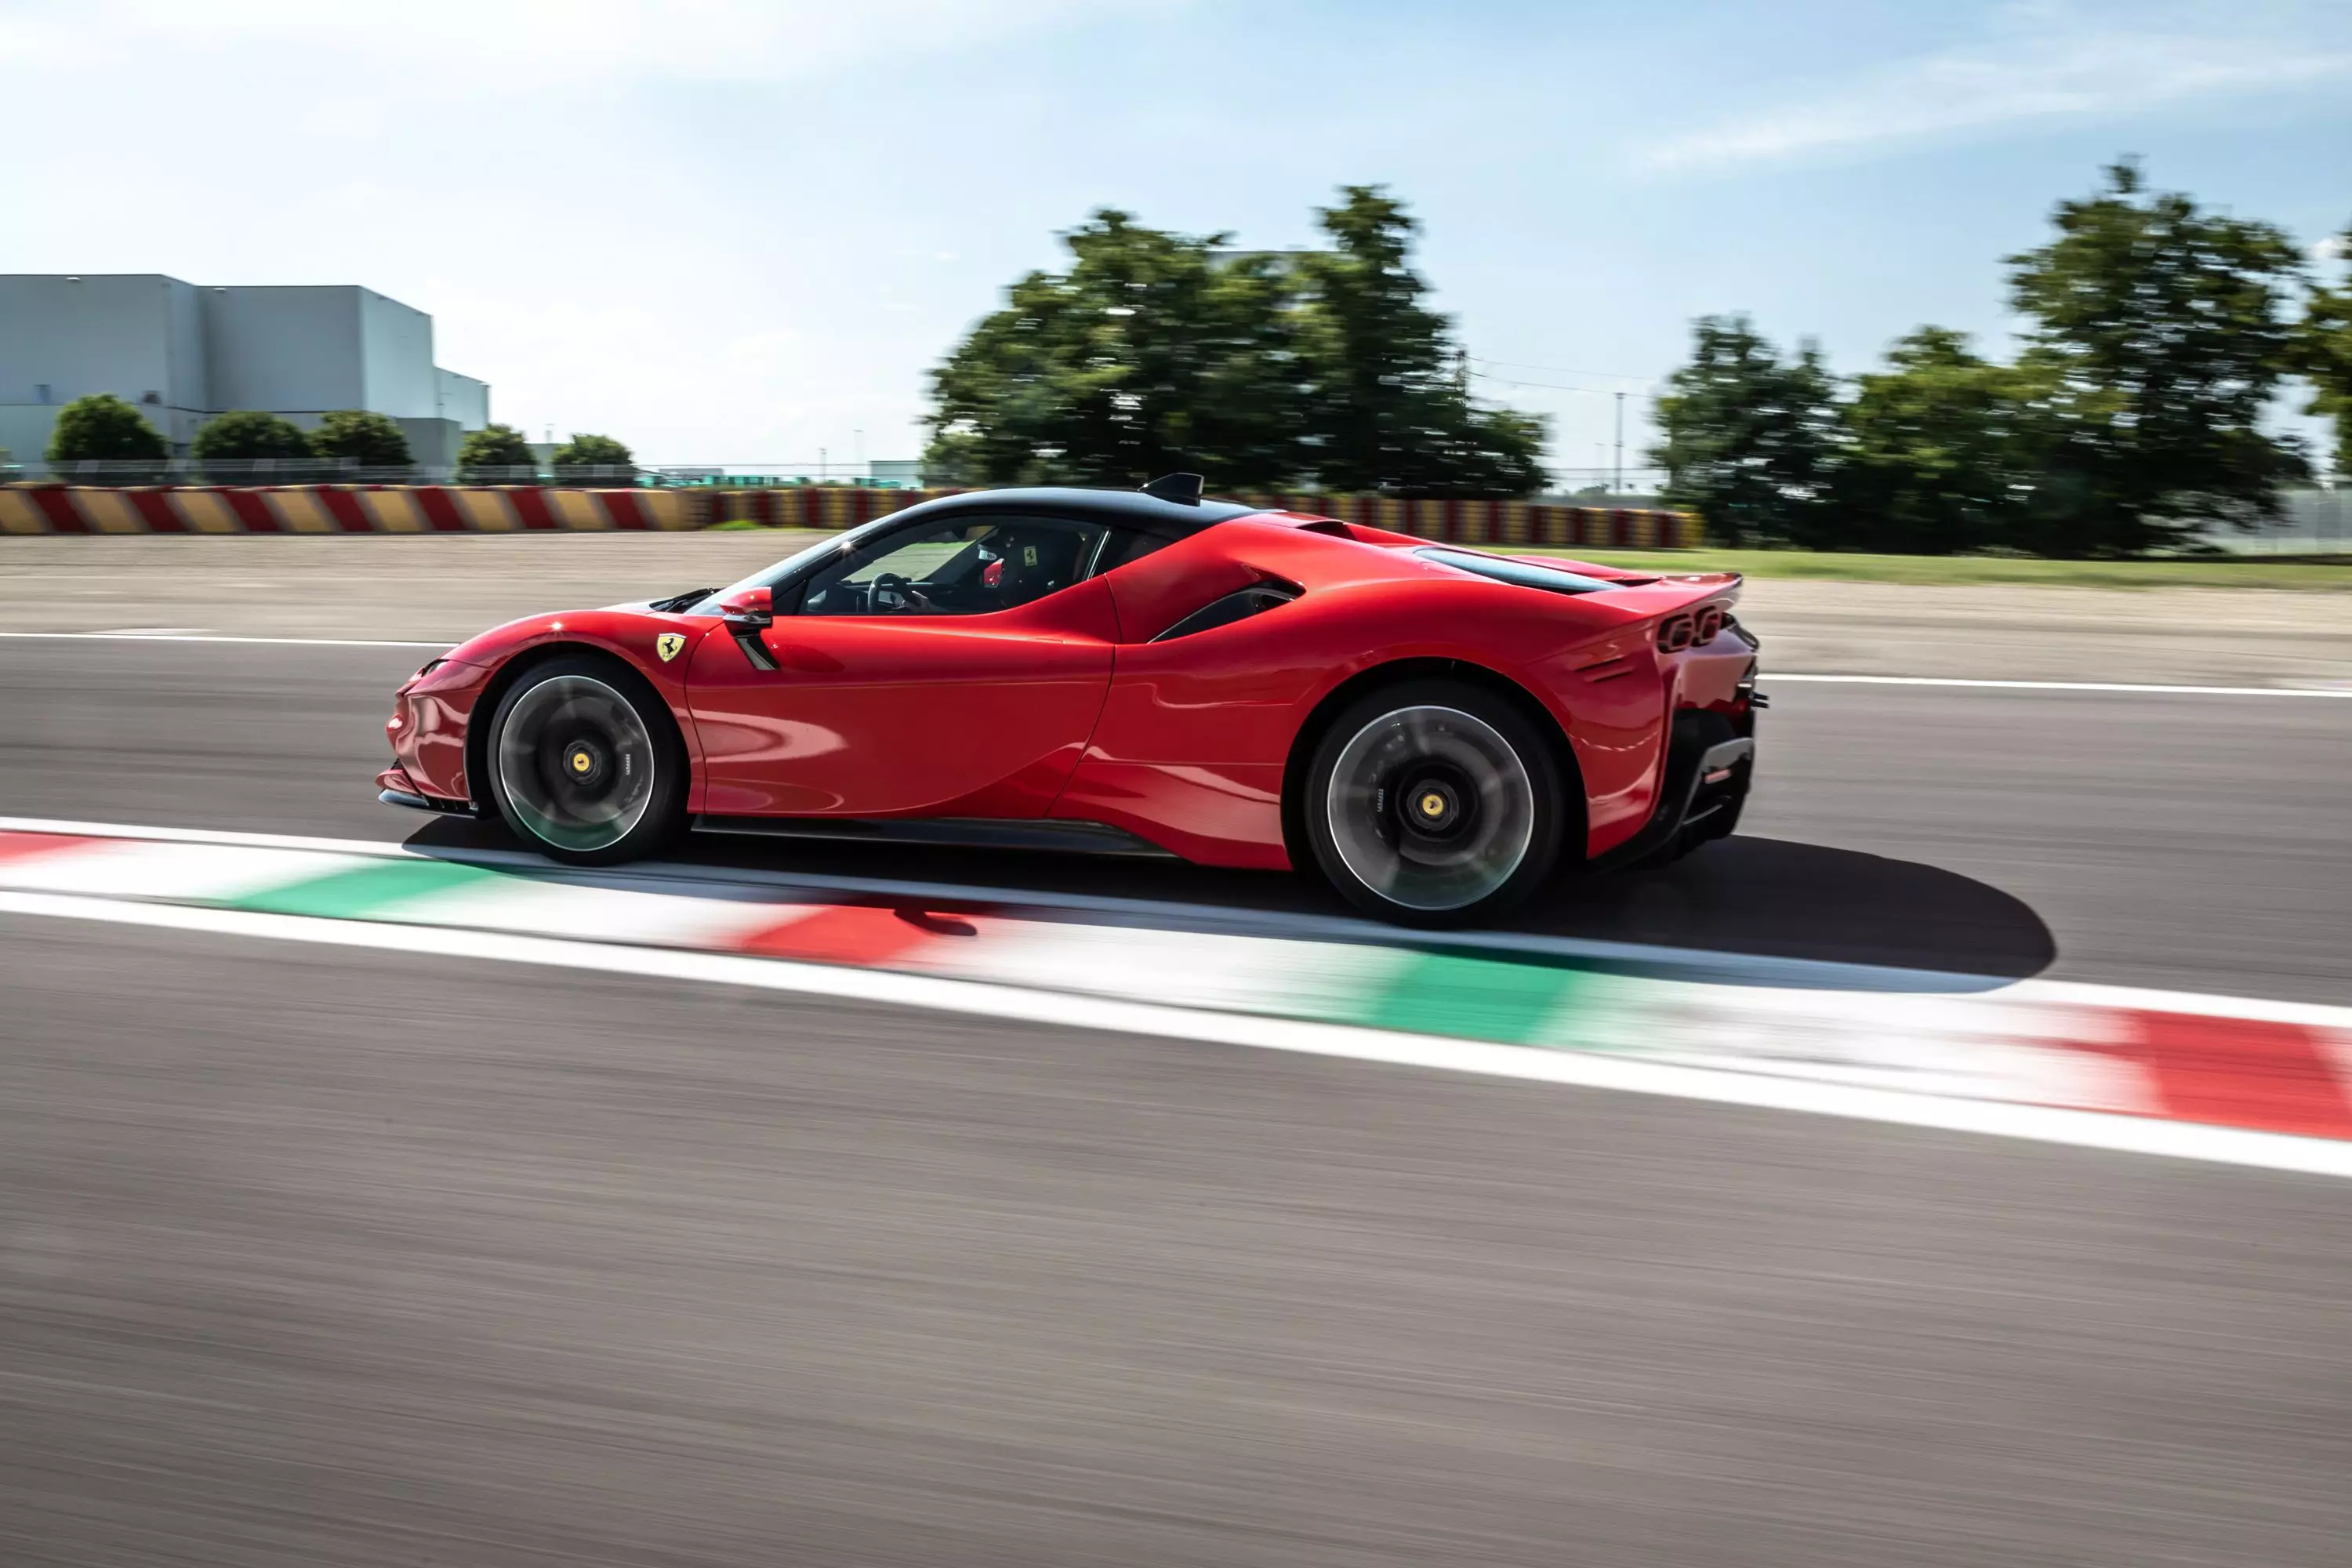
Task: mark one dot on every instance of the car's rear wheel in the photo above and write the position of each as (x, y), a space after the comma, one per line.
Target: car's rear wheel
(585, 763)
(1434, 803)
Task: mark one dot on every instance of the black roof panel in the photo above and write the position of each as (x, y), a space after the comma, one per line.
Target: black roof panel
(1132, 507)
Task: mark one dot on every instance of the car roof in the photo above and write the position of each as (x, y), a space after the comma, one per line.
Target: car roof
(1130, 508)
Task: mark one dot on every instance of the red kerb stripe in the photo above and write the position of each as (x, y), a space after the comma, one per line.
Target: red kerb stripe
(622, 507)
(853, 933)
(2242, 1072)
(17, 846)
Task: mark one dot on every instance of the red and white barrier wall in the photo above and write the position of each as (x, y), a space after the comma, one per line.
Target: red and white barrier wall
(518, 508)
(340, 508)
(1535, 524)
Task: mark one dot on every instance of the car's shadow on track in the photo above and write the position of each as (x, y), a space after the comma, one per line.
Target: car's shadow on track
(1764, 897)
(1787, 900)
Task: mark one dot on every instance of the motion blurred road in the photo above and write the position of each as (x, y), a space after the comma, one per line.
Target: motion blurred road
(316, 1254)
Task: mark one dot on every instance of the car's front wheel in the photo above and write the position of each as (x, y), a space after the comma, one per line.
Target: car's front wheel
(1434, 803)
(585, 763)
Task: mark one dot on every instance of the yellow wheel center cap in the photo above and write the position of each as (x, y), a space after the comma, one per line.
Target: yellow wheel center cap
(1433, 805)
(582, 762)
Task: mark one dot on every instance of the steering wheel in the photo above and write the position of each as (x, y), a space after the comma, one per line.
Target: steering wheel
(890, 591)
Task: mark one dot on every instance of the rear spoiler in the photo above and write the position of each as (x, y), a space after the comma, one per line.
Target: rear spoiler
(1659, 593)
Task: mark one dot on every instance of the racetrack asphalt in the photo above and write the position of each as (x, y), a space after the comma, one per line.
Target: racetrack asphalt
(320, 1255)
(312, 1258)
(2195, 843)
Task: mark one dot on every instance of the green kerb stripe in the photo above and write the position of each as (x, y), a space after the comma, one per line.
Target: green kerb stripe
(1473, 998)
(366, 887)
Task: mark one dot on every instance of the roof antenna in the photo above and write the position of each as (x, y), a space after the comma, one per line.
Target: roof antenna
(1184, 488)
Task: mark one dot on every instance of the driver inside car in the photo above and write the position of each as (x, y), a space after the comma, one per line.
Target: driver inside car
(1010, 568)
(1030, 565)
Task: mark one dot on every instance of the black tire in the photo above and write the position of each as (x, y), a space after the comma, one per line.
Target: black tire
(1433, 803)
(585, 763)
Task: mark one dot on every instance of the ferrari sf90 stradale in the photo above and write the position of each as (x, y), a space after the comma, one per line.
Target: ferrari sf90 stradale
(1433, 729)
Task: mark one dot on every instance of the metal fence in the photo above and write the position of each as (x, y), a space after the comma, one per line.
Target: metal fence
(2316, 520)
(319, 472)
(262, 471)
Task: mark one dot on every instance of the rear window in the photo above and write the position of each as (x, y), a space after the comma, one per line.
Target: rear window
(1552, 580)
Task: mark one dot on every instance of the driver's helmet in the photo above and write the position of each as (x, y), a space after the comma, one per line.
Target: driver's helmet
(1034, 562)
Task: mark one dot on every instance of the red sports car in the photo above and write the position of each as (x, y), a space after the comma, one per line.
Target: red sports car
(1431, 729)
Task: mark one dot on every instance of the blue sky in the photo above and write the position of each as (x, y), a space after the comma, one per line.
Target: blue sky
(732, 231)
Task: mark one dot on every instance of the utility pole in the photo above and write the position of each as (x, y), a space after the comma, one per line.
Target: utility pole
(1618, 487)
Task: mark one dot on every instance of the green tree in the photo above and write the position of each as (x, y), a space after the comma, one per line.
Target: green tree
(369, 439)
(1388, 412)
(101, 427)
(595, 452)
(230, 443)
(1156, 352)
(1152, 353)
(496, 455)
(2324, 354)
(1752, 443)
(1940, 454)
(2160, 333)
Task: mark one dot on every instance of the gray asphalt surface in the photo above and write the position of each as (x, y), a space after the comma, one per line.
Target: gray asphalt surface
(315, 1256)
(311, 1257)
(2188, 843)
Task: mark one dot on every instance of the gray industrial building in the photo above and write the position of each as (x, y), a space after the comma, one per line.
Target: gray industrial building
(184, 352)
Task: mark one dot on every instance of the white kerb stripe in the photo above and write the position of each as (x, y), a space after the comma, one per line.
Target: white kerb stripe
(129, 869)
(2082, 1129)
(595, 914)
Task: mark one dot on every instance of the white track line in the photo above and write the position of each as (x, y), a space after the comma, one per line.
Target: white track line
(2086, 1129)
(1769, 678)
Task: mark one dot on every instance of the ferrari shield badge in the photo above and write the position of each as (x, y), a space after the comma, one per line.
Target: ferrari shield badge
(667, 644)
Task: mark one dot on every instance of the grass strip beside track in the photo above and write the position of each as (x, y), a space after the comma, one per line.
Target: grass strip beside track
(2302, 573)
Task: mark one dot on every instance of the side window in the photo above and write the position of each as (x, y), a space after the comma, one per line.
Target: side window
(974, 566)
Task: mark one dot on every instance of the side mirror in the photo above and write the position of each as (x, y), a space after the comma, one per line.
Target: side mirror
(750, 608)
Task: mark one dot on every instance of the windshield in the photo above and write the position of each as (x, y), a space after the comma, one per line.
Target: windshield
(1526, 573)
(769, 576)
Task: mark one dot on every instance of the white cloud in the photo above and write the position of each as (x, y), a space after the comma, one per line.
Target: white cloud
(2045, 63)
(726, 40)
